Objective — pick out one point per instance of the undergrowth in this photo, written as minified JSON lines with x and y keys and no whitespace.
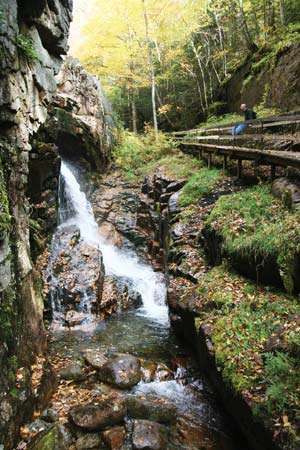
{"x":200,"y":183}
{"x":139,"y":155}
{"x":244,"y":320}
{"x":26,"y":47}
{"x":252,"y":222}
{"x":5,"y":218}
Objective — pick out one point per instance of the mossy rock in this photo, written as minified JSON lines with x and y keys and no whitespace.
{"x":52,"y":439}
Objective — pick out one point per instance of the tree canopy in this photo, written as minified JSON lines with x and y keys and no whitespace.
{"x":155,"y":57}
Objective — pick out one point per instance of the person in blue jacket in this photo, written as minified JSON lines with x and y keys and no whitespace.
{"x":249,"y":114}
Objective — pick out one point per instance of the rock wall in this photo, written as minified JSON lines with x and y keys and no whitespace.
{"x":33,"y":36}
{"x":80,"y":120}
{"x":276,"y":83}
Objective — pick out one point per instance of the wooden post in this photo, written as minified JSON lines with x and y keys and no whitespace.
{"x":224,"y":162}
{"x":209,"y":160}
{"x":273,"y":171}
{"x":239,"y":168}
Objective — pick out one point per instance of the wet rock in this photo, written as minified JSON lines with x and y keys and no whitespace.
{"x":75,"y":274}
{"x":74,"y":318}
{"x":114,"y":438}
{"x":173,"y":204}
{"x":149,"y":435}
{"x":74,"y":372}
{"x":97,"y":417}
{"x":38,"y":425}
{"x":123,"y":371}
{"x":49,"y":415}
{"x":118,"y":295}
{"x":288,"y":191}
{"x":148,"y":370}
{"x":163,"y":373}
{"x":95,"y":358}
{"x":89,"y":441}
{"x":53,"y":439}
{"x":151,"y":408}
{"x":175,"y":186}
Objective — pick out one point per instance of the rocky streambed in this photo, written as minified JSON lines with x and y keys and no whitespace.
{"x":119,"y":378}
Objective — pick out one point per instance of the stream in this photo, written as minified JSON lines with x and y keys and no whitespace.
{"x":143,"y":332}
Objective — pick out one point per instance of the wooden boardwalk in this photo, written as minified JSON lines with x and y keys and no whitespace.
{"x":277,"y":144}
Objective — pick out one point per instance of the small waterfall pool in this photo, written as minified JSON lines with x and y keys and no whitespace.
{"x":144,"y":332}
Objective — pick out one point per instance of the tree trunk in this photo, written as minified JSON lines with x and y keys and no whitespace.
{"x":282,"y":12}
{"x":152,"y":71}
{"x":134,"y":115}
{"x":248,"y":39}
{"x":202,"y":72}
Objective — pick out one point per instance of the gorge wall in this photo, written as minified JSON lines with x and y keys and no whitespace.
{"x":269,"y":78}
{"x":42,"y":114}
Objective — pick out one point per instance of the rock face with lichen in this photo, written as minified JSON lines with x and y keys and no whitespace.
{"x":80,"y":121}
{"x":49,"y":108}
{"x":33,"y":37}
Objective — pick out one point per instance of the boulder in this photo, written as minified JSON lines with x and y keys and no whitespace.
{"x":54,"y":438}
{"x":149,"y":435}
{"x":74,"y":372}
{"x":75,"y":273}
{"x":49,"y":415}
{"x":288,"y":191}
{"x":122,"y":371}
{"x":89,"y":441}
{"x":95,"y":358}
{"x":74,"y":318}
{"x":114,"y":438}
{"x":151,"y":408}
{"x":97,"y":417}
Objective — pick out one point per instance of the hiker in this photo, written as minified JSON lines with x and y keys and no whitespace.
{"x":249,"y":115}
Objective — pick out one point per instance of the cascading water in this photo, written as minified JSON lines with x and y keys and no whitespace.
{"x":76,"y":210}
{"x":144,"y":332}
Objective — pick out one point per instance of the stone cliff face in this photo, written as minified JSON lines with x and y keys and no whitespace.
{"x":44,"y":113}
{"x":33,"y":37}
{"x":275,"y":83}
{"x":80,"y":118}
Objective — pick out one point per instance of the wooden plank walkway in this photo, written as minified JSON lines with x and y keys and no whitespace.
{"x":212,"y":140}
{"x":262,"y":157}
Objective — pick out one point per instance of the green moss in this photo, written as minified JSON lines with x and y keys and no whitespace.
{"x":252,"y":222}
{"x":243,"y":318}
{"x":5,"y":218}
{"x":136,"y":155}
{"x":26,"y":47}
{"x":201,"y":183}
{"x":7,"y":315}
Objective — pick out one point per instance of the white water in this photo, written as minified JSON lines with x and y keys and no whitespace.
{"x":117,"y":262}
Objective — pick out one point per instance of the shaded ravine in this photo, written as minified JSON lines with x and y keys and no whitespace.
{"x":144,"y":332}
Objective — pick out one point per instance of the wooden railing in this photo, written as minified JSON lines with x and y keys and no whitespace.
{"x":197,"y":142}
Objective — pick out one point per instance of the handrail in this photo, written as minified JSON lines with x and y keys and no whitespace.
{"x":263,"y":122}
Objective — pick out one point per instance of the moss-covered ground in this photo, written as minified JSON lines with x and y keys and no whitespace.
{"x":255,"y":333}
{"x":253,"y":222}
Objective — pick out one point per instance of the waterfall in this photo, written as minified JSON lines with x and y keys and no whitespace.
{"x":75,"y":208}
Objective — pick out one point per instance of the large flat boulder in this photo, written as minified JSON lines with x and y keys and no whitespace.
{"x":149,"y":435}
{"x":97,"y":417}
{"x":122,"y":371}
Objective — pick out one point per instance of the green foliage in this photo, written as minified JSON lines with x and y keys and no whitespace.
{"x":198,"y":47}
{"x":252,"y":222}
{"x":134,"y":152}
{"x":26,"y":48}
{"x":5,"y":218}
{"x":7,"y":315}
{"x":199,"y":184}
{"x":225,"y":119}
{"x":176,"y":165}
{"x":243,"y":318}
{"x":281,"y":374}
